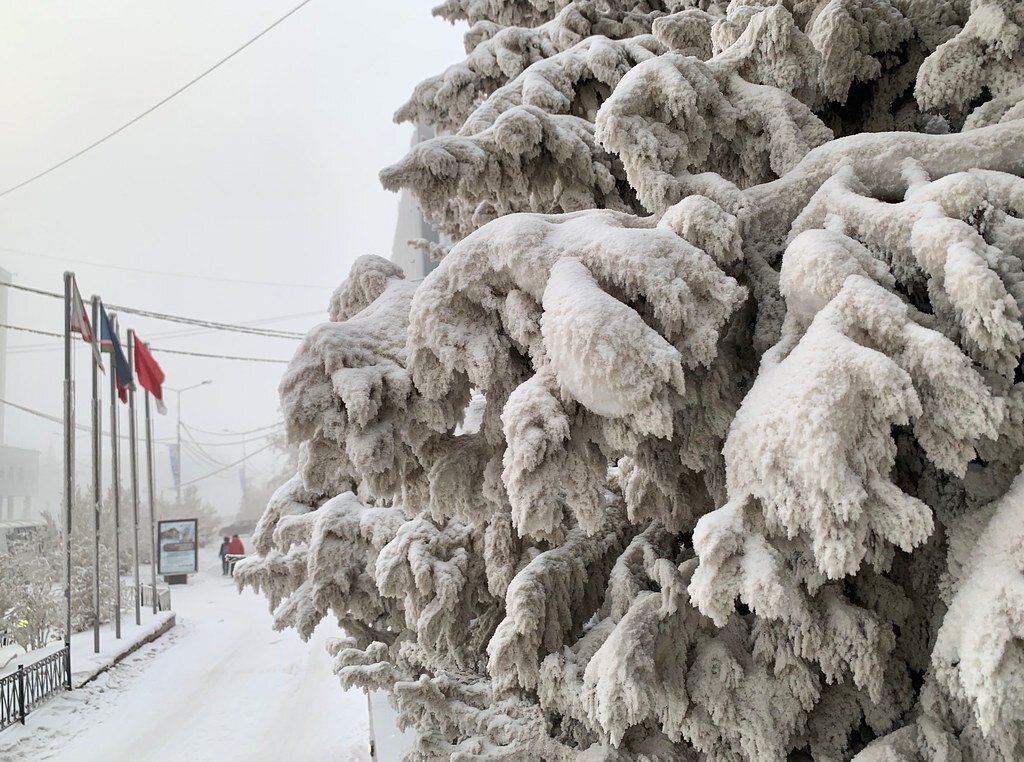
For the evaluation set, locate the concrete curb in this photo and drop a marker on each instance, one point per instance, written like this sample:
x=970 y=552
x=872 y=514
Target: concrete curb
x=82 y=680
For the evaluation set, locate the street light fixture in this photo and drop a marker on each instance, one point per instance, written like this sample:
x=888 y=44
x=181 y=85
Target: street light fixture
x=179 y=392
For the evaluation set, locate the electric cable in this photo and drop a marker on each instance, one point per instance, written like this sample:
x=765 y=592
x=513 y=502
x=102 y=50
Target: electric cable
x=233 y=443
x=153 y=349
x=188 y=449
x=78 y=426
x=196 y=449
x=175 y=334
x=153 y=108
x=206 y=323
x=171 y=318
x=230 y=465
x=31 y=330
x=276 y=425
x=163 y=273
x=219 y=357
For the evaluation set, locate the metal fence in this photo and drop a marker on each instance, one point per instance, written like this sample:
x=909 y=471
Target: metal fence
x=163 y=597
x=24 y=690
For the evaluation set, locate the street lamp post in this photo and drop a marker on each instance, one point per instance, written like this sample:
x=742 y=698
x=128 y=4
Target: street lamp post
x=179 y=393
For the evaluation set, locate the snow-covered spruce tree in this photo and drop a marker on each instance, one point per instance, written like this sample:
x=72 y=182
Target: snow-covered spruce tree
x=703 y=440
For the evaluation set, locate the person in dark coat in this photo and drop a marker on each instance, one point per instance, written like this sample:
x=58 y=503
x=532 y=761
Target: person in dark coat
x=223 y=556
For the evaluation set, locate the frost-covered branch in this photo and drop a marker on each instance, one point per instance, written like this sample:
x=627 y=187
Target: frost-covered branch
x=700 y=441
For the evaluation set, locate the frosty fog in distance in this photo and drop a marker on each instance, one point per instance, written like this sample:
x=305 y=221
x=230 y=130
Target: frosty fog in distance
x=702 y=442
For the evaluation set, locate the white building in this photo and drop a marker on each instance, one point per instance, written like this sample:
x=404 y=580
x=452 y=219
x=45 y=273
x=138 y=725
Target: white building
x=410 y=226
x=19 y=482
x=5 y=277
x=19 y=468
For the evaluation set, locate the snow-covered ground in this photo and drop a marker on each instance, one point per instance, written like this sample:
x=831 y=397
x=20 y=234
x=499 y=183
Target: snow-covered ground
x=220 y=686
x=86 y=663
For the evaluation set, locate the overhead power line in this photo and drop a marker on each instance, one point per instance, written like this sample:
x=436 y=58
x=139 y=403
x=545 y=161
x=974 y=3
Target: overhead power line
x=206 y=323
x=156 y=349
x=174 y=334
x=229 y=465
x=199 y=454
x=163 y=440
x=233 y=443
x=218 y=357
x=31 y=290
x=171 y=318
x=31 y=330
x=59 y=420
x=268 y=427
x=163 y=273
x=154 y=107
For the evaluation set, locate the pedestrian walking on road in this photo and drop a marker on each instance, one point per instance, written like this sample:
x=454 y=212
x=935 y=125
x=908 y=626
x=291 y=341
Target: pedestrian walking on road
x=224 y=556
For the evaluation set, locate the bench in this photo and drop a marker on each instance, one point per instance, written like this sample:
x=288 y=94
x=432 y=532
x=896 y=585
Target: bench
x=231 y=559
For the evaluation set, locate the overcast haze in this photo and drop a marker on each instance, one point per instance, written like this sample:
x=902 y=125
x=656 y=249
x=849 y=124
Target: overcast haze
x=266 y=170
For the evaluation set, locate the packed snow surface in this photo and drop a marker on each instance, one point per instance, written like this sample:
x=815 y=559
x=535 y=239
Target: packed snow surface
x=220 y=685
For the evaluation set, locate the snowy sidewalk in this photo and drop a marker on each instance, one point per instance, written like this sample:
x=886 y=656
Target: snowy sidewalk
x=220 y=685
x=86 y=664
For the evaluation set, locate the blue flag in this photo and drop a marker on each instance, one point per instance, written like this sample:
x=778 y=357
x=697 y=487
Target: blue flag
x=110 y=342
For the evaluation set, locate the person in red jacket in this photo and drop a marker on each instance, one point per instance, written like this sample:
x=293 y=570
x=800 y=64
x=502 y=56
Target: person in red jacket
x=235 y=548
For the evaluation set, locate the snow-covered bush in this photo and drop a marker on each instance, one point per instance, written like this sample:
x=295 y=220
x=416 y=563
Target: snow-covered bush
x=31 y=590
x=83 y=557
x=701 y=441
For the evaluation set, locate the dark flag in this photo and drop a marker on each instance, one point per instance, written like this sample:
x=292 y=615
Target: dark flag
x=111 y=342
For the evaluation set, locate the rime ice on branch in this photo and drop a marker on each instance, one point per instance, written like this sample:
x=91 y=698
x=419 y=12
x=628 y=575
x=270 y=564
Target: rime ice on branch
x=703 y=440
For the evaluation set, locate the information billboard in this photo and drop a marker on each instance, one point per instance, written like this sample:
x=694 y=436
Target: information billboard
x=177 y=546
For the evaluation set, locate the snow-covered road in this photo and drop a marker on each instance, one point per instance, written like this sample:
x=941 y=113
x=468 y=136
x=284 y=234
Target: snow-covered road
x=220 y=686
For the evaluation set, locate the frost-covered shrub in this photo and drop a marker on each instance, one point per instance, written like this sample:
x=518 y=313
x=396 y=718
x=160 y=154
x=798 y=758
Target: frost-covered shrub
x=703 y=440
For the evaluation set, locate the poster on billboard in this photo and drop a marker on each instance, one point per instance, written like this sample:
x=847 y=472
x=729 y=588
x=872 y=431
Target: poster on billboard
x=177 y=546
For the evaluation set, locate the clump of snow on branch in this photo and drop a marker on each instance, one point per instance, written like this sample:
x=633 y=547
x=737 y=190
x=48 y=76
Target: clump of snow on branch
x=703 y=440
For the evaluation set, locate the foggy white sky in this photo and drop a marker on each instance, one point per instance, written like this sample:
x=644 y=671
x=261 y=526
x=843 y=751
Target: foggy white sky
x=265 y=170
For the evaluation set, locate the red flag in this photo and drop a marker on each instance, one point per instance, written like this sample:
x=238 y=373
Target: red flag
x=149 y=373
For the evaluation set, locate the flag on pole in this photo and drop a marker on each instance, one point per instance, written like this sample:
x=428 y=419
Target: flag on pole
x=111 y=342
x=80 y=323
x=151 y=377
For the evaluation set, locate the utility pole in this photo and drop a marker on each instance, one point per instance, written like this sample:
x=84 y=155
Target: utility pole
x=69 y=464
x=97 y=485
x=115 y=477
x=5 y=277
x=152 y=502
x=178 y=446
x=134 y=463
x=245 y=482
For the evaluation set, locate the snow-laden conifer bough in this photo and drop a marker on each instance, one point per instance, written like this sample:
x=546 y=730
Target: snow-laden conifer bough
x=703 y=441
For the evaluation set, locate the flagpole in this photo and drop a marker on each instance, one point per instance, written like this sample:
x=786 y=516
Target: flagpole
x=115 y=475
x=152 y=502
x=133 y=449
x=69 y=467
x=97 y=486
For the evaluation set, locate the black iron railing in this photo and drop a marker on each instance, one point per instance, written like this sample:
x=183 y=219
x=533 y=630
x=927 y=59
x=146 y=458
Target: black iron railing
x=24 y=690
